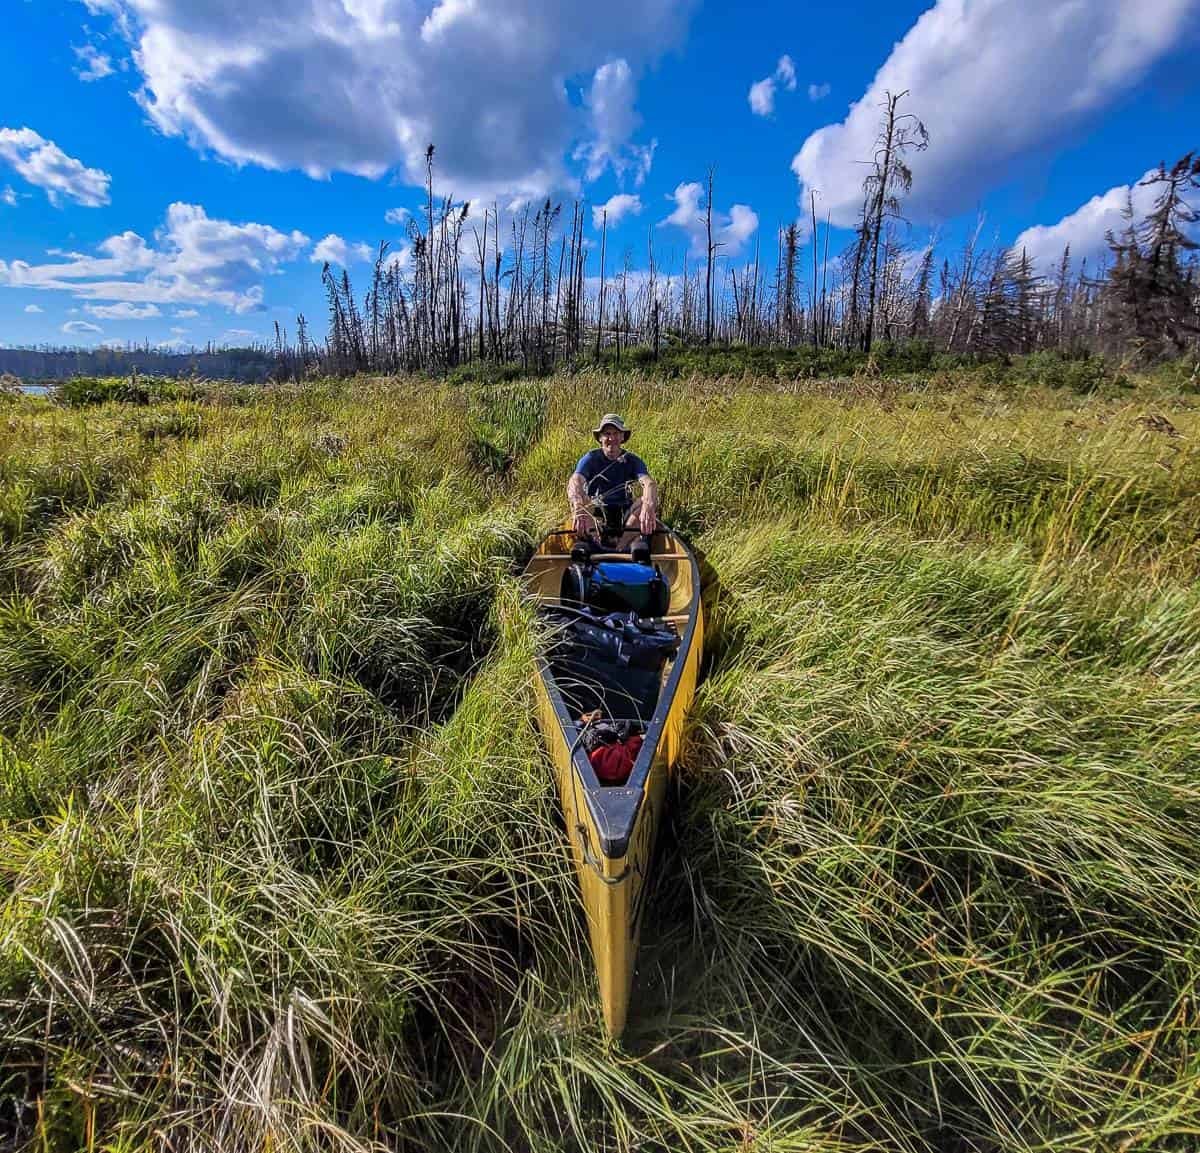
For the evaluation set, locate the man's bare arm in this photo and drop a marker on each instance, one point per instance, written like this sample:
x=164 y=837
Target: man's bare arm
x=577 y=492
x=648 y=518
x=581 y=506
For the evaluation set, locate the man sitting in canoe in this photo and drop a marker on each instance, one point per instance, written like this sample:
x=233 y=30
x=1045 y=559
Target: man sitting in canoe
x=599 y=487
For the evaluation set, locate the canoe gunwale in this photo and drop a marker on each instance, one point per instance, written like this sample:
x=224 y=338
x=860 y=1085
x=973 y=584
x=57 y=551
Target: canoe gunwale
x=611 y=807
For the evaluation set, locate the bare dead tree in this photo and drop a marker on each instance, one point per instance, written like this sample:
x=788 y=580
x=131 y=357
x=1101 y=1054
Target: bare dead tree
x=603 y=261
x=708 y=265
x=889 y=179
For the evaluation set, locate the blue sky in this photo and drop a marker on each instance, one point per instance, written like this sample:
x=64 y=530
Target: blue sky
x=175 y=170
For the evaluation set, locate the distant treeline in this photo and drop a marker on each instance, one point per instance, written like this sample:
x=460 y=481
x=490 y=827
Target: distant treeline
x=524 y=291
x=48 y=363
x=541 y=295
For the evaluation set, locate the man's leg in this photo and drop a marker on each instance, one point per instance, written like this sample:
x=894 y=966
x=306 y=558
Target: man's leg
x=612 y=520
x=633 y=519
x=639 y=546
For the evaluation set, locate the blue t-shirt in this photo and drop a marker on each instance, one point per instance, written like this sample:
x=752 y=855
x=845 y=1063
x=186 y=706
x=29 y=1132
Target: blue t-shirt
x=607 y=480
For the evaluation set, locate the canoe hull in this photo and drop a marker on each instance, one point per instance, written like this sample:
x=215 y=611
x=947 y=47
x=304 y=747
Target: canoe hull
x=615 y=885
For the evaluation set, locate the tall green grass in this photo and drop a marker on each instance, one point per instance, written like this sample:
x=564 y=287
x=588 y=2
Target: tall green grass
x=281 y=865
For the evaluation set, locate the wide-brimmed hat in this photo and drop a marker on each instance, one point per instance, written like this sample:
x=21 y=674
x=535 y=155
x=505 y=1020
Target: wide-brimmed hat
x=613 y=420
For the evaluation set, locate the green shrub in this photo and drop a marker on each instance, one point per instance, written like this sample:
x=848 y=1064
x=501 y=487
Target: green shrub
x=84 y=390
x=487 y=372
x=1183 y=374
x=1082 y=374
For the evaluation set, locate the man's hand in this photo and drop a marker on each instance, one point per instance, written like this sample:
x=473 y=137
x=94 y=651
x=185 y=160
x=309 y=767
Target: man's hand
x=585 y=523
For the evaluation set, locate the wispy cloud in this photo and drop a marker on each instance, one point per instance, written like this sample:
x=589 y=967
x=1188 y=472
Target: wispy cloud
x=762 y=97
x=80 y=328
x=122 y=311
x=613 y=121
x=47 y=166
x=94 y=65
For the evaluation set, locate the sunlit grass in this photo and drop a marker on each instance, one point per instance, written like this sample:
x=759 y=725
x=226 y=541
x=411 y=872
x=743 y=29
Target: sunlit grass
x=280 y=857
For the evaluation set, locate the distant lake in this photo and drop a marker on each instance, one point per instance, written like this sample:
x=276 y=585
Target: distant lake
x=35 y=389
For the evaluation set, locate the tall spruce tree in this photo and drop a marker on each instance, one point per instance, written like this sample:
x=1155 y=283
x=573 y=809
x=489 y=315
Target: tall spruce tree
x=1169 y=319
x=1150 y=297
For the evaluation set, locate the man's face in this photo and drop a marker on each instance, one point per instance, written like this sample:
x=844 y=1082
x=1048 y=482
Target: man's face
x=611 y=441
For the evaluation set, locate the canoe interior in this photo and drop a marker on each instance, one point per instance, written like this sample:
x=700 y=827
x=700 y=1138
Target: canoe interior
x=633 y=694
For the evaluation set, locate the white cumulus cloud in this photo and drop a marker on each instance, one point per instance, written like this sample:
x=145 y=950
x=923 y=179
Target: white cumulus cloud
x=8 y=196
x=195 y=260
x=47 y=166
x=33 y=308
x=484 y=80
x=818 y=91
x=762 y=97
x=80 y=328
x=993 y=80
x=730 y=230
x=1086 y=229
x=334 y=250
x=397 y=215
x=617 y=207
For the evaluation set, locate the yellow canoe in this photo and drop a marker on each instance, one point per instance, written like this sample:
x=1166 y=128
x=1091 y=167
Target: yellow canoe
x=613 y=829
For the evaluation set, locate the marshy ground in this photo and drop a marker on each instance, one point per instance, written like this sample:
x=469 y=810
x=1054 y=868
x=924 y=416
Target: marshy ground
x=280 y=863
